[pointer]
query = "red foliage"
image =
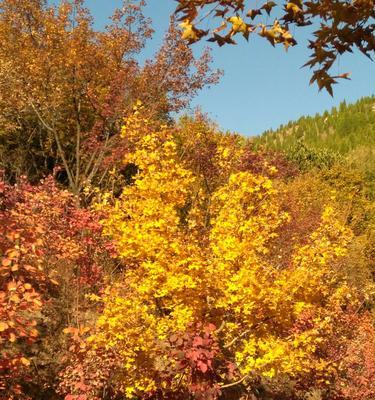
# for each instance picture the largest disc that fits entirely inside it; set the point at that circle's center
(350, 347)
(356, 373)
(50, 248)
(66, 232)
(22, 284)
(88, 372)
(194, 354)
(257, 161)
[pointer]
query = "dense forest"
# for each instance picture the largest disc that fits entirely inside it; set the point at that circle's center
(147, 257)
(346, 133)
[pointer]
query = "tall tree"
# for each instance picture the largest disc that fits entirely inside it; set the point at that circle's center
(64, 86)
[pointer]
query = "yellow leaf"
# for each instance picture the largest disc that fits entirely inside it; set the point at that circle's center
(238, 25)
(188, 31)
(25, 361)
(293, 7)
(3, 326)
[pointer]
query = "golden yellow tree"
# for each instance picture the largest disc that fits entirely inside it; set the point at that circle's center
(197, 263)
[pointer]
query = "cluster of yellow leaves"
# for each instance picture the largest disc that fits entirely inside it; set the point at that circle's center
(175, 278)
(188, 31)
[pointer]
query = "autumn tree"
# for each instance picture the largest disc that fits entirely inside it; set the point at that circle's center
(341, 27)
(65, 87)
(202, 308)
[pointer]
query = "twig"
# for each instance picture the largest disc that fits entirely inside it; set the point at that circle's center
(234, 383)
(221, 327)
(231, 343)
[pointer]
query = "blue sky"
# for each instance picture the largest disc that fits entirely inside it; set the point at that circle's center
(262, 86)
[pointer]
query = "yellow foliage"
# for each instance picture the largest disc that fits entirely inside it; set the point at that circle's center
(238, 24)
(175, 277)
(188, 31)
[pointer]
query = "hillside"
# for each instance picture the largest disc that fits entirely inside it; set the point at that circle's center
(346, 132)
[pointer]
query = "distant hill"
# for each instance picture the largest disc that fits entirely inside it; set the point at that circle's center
(346, 132)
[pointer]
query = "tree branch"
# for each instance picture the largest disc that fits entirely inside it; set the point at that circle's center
(234, 383)
(59, 147)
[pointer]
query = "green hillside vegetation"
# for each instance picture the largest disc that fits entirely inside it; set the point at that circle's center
(345, 134)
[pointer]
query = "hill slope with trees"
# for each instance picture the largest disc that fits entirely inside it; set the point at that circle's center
(345, 134)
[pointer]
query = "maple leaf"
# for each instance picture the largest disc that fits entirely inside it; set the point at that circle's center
(188, 31)
(268, 6)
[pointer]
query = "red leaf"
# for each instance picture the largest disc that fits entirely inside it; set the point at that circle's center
(198, 341)
(203, 367)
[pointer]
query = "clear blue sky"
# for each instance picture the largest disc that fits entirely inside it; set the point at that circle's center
(263, 86)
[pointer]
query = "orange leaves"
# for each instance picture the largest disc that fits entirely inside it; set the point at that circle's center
(75, 397)
(76, 332)
(3, 326)
(76, 83)
(6, 262)
(14, 268)
(25, 361)
(11, 286)
(38, 224)
(78, 337)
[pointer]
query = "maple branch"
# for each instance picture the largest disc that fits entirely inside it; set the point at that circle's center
(88, 166)
(208, 13)
(78, 145)
(232, 342)
(99, 159)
